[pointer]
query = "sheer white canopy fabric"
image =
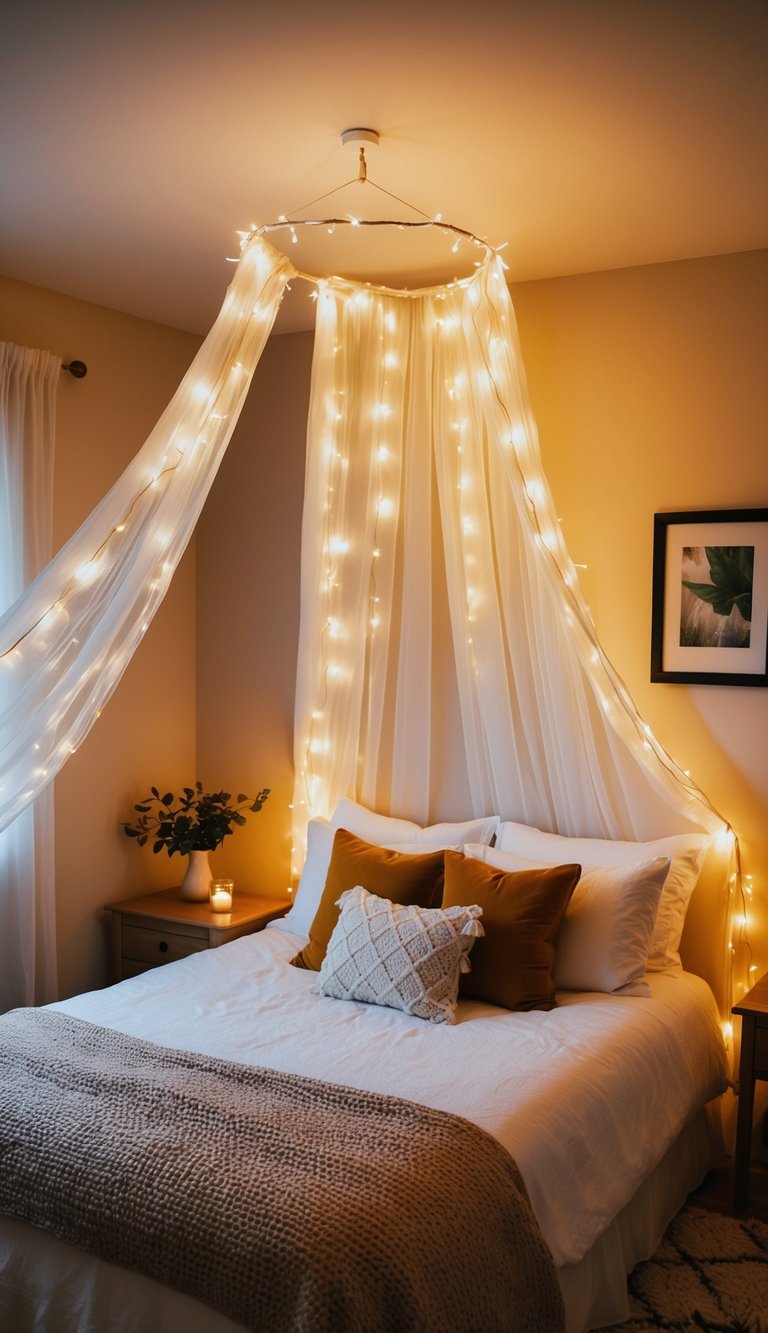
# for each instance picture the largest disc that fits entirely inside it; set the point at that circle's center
(430, 553)
(28, 384)
(67, 640)
(425, 499)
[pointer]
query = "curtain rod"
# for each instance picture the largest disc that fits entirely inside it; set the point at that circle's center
(77, 369)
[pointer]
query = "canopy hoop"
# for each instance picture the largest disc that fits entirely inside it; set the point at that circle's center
(489, 252)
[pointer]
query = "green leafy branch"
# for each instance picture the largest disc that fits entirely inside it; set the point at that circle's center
(731, 570)
(197, 821)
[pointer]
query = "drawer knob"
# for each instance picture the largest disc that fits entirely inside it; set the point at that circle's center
(163, 946)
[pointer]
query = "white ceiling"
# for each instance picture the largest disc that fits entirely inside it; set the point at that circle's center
(138, 135)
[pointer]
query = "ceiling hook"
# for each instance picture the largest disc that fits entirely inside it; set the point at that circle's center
(362, 166)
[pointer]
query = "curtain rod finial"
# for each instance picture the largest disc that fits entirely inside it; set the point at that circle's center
(77, 369)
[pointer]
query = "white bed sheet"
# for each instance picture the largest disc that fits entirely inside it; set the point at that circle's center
(587, 1097)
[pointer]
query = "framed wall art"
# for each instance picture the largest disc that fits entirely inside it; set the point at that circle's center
(709, 623)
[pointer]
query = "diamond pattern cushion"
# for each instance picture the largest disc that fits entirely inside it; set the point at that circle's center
(408, 958)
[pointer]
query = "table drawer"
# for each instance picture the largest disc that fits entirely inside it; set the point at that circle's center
(146, 945)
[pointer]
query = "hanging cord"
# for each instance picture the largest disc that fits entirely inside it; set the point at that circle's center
(362, 178)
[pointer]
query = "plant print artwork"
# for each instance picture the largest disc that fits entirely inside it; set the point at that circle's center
(716, 604)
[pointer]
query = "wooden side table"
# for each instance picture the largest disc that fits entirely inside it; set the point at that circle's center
(161, 927)
(753, 1064)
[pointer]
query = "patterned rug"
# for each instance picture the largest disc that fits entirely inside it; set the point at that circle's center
(710, 1272)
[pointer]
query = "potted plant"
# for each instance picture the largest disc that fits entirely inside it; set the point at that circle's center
(195, 823)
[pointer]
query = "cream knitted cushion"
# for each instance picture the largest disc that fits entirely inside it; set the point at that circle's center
(408, 958)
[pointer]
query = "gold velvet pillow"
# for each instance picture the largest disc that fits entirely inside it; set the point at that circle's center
(512, 964)
(412, 881)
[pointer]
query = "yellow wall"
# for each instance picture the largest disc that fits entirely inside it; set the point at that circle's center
(650, 392)
(146, 733)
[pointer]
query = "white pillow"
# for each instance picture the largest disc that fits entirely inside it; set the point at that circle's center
(407, 958)
(399, 835)
(309, 890)
(685, 850)
(603, 942)
(382, 830)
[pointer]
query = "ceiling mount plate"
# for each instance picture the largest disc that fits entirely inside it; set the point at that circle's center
(359, 135)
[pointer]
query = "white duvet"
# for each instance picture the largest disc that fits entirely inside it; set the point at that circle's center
(587, 1097)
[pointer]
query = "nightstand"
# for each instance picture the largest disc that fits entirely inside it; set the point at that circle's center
(753, 1064)
(161, 927)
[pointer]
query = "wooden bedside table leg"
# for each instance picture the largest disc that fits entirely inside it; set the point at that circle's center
(744, 1119)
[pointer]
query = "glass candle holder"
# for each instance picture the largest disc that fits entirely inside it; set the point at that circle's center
(221, 894)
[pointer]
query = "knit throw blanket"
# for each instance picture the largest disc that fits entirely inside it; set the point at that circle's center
(284, 1202)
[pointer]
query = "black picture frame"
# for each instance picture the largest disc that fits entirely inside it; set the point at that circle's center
(694, 639)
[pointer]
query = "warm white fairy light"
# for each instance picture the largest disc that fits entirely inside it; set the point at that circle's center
(724, 838)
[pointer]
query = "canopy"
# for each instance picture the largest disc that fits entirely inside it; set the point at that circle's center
(425, 503)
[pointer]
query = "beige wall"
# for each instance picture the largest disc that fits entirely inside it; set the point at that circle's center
(146, 733)
(650, 392)
(249, 541)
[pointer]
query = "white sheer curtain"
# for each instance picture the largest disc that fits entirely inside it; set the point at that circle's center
(424, 473)
(28, 383)
(66, 642)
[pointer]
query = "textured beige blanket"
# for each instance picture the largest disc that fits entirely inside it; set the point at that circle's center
(284, 1202)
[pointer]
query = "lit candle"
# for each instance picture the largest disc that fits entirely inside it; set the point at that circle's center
(221, 895)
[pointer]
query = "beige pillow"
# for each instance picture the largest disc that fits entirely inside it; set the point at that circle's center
(398, 876)
(407, 958)
(685, 850)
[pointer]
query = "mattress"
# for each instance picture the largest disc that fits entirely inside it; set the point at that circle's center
(588, 1097)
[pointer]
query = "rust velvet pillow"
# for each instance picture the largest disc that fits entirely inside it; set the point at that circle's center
(411, 880)
(512, 965)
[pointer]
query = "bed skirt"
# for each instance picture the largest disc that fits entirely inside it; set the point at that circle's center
(595, 1290)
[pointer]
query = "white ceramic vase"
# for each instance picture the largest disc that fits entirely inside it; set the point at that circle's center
(196, 883)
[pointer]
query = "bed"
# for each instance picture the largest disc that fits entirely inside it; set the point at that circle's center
(608, 1103)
